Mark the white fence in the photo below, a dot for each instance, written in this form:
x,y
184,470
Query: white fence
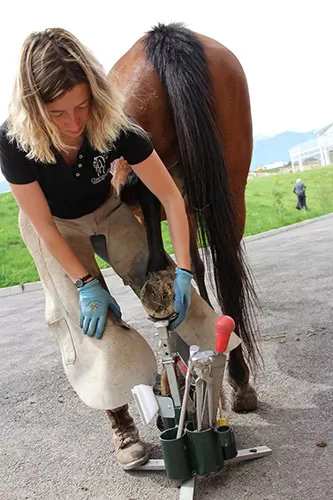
x,y
318,151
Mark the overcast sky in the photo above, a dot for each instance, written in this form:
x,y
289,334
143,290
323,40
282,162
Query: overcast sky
x,y
285,47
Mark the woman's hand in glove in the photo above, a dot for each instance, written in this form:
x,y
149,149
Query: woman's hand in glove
x,y
182,288
94,303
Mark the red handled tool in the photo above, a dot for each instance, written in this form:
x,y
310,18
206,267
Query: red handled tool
x,y
224,327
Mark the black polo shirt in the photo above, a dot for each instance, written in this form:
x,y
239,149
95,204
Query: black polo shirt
x,y
72,192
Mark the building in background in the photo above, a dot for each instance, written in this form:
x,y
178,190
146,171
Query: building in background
x,y
315,153
274,164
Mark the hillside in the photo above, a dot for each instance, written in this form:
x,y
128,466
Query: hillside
x,y
270,204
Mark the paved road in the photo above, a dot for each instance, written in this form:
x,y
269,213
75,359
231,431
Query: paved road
x,y
53,446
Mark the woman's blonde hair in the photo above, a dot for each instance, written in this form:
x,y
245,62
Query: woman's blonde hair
x,y
52,63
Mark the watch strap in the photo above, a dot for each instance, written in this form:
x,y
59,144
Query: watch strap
x,y
81,281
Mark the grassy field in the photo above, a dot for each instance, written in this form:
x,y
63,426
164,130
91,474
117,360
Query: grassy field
x,y
270,204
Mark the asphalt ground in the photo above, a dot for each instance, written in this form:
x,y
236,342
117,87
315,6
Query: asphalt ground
x,y
52,446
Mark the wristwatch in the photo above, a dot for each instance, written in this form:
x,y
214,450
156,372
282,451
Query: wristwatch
x,y
81,281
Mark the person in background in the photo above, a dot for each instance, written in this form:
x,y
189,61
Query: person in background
x,y
65,128
299,190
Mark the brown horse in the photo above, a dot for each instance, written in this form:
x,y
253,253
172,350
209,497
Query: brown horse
x,y
190,94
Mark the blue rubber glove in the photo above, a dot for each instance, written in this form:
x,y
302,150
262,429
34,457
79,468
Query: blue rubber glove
x,y
94,302
182,288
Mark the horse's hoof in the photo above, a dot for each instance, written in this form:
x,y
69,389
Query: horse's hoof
x,y
157,295
244,399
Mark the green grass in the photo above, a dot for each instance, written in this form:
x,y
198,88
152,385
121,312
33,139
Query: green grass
x,y
16,264
270,204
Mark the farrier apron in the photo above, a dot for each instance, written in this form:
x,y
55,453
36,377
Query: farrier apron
x,y
103,372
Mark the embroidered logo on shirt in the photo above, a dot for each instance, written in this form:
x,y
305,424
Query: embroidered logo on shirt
x,y
99,165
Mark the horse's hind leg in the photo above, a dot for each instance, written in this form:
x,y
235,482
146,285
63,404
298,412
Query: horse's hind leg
x,y
151,208
243,395
157,295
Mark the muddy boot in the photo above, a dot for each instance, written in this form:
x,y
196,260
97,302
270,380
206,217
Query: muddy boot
x,y
130,452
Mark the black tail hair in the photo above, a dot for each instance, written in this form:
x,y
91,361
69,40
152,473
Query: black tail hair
x,y
179,59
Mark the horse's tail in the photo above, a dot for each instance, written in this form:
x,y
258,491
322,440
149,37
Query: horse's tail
x,y
179,59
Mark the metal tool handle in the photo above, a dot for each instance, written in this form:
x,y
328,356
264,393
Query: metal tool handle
x,y
193,350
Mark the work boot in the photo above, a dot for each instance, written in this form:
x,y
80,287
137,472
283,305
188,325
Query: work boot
x,y
129,450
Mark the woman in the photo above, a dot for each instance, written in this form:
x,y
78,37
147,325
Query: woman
x,y
64,130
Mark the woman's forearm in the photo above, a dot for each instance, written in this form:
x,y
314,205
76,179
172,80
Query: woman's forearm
x,y
62,253
32,202
179,231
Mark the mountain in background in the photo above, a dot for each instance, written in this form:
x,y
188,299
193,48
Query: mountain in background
x,y
276,148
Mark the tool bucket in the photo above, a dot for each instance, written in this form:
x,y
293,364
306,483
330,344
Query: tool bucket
x,y
226,438
175,455
204,450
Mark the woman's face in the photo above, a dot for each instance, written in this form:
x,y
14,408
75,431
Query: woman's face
x,y
71,111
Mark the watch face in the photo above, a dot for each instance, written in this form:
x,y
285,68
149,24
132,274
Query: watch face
x,y
79,283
